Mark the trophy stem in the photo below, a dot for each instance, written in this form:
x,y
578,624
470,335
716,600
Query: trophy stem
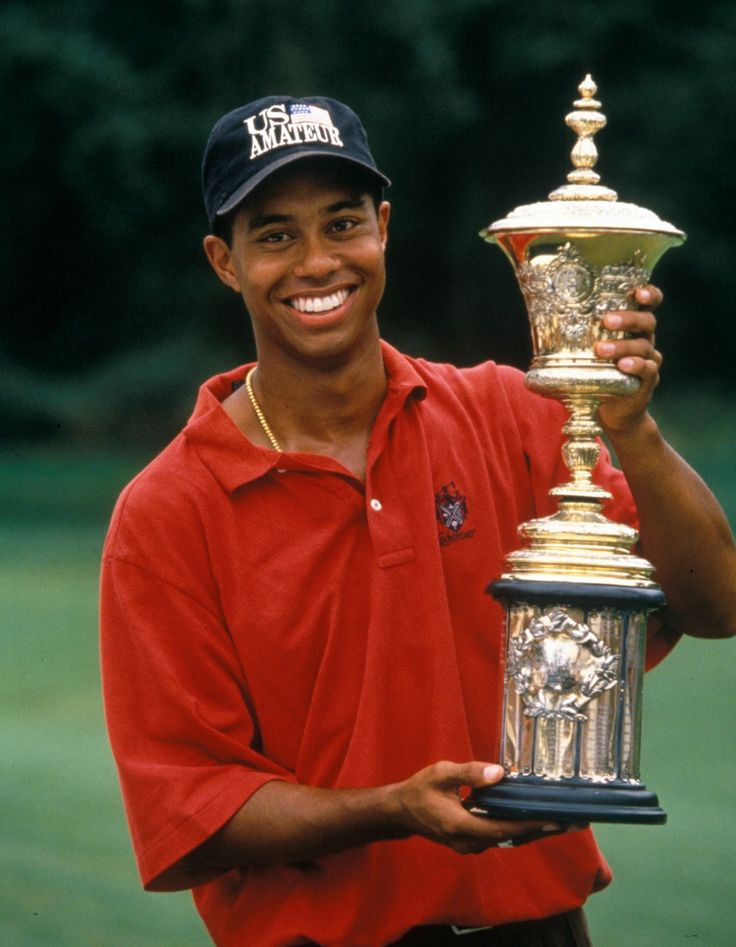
x,y
581,451
579,543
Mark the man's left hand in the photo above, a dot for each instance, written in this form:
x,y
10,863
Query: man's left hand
x,y
634,355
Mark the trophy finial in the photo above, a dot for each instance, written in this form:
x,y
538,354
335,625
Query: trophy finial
x,y
585,121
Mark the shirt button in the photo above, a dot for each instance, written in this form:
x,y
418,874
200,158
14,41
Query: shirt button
x,y
376,505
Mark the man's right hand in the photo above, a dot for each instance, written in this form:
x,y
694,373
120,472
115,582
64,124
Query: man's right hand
x,y
430,804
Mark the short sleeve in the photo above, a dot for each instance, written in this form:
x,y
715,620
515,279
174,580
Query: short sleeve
x,y
182,731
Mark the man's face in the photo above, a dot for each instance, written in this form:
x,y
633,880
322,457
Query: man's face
x,y
307,256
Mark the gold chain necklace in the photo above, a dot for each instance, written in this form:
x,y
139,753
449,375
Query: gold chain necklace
x,y
259,413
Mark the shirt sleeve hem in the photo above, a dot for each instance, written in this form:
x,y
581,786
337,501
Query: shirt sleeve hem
x,y
159,864
660,641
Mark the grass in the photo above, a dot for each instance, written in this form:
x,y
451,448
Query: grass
x,y
68,873
674,884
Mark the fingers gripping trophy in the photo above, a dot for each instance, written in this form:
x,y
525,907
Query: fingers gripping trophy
x,y
576,598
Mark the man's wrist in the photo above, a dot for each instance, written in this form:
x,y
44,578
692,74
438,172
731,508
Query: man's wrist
x,y
642,427
388,812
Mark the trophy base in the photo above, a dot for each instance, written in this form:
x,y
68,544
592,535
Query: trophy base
x,y
581,802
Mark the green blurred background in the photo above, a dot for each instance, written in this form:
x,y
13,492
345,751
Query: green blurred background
x,y
111,320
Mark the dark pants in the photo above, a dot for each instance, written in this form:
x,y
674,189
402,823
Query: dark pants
x,y
562,930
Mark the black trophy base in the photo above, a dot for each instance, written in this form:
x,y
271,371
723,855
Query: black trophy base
x,y
576,803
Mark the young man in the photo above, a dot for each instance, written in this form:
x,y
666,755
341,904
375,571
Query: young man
x,y
296,639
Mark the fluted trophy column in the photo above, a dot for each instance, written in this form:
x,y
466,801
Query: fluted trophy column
x,y
576,598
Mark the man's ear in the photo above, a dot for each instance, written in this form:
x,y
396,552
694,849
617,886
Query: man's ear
x,y
384,213
219,255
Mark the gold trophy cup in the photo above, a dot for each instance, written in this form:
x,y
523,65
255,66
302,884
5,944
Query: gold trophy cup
x,y
576,598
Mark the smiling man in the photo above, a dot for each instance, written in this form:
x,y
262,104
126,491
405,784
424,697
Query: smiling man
x,y
306,253
295,636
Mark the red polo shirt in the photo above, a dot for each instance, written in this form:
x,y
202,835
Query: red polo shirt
x,y
267,615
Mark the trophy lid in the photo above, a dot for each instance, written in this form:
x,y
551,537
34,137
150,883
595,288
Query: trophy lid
x,y
583,203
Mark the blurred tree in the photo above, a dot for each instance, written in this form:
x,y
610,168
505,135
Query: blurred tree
x,y
107,107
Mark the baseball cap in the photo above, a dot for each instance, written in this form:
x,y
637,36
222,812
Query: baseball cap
x,y
248,144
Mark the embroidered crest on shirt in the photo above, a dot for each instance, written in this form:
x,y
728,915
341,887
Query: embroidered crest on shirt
x,y
452,511
451,506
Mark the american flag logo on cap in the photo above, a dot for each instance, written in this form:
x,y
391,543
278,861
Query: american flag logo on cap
x,y
309,113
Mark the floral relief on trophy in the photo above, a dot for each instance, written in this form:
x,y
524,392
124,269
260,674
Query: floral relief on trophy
x,y
567,297
559,665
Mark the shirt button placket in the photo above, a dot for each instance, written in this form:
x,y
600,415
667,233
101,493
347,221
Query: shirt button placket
x,y
389,532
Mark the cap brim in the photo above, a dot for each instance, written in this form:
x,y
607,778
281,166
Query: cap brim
x,y
252,183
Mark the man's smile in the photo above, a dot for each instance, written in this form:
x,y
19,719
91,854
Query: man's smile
x,y
319,303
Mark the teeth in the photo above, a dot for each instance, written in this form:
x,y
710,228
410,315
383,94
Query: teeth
x,y
319,303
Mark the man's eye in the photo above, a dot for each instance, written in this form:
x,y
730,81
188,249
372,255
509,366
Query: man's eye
x,y
343,224
278,236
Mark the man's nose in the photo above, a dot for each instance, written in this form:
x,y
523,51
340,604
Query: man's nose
x,y
317,259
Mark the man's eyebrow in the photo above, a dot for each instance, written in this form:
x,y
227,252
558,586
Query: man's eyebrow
x,y
353,203
265,220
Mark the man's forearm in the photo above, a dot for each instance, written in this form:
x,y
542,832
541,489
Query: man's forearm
x,y
286,823
684,533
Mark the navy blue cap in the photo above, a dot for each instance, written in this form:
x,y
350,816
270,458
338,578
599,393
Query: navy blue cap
x,y
251,142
